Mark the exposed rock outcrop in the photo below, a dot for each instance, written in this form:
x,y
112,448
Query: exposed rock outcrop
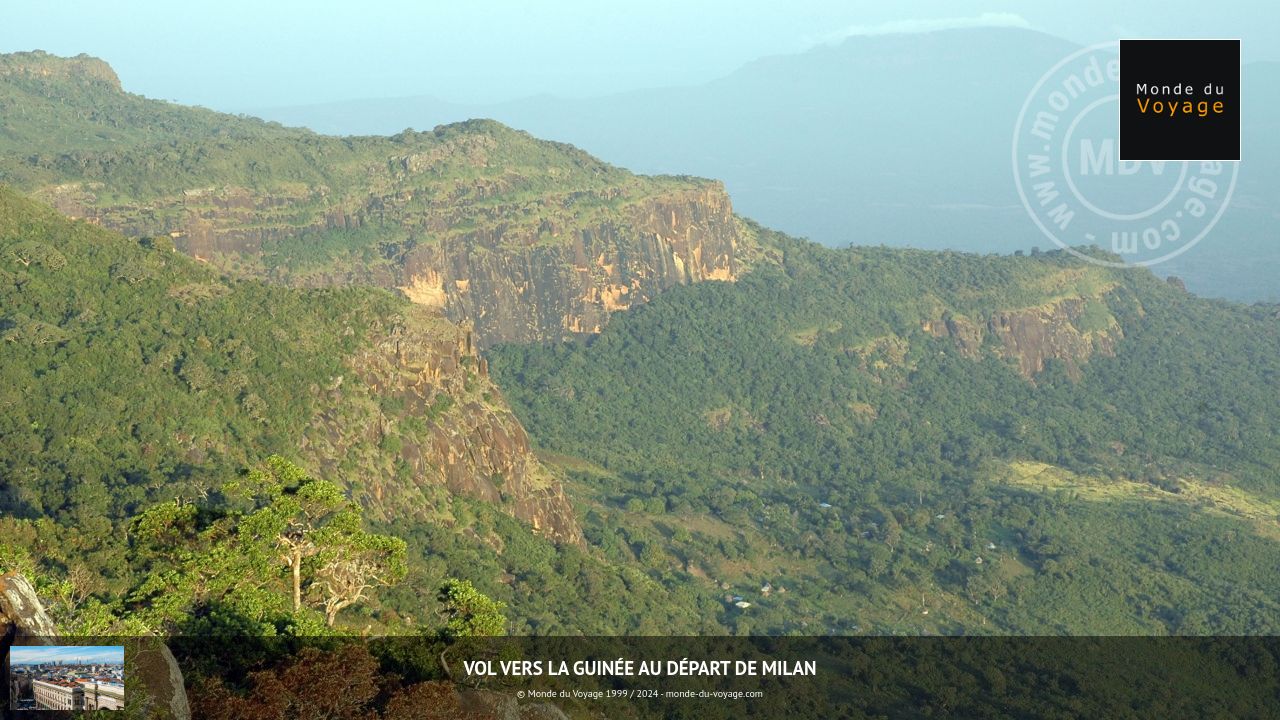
x,y
22,617
43,66
438,422
517,282
1058,330
515,287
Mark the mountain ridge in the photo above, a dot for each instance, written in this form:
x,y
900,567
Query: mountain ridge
x,y
526,239
899,139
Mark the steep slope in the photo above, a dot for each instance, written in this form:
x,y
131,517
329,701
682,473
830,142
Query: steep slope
x,y
528,240
130,373
911,441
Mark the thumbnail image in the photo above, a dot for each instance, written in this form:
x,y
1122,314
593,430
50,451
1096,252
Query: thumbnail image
x,y
66,677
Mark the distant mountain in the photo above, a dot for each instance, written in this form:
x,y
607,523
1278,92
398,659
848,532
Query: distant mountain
x,y
896,139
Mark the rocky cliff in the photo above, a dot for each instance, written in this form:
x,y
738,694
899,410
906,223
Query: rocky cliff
x,y
564,277
420,406
521,268
528,240
43,67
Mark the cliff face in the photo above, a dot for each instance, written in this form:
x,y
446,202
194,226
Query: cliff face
x,y
517,287
528,240
528,270
1069,330
41,66
419,404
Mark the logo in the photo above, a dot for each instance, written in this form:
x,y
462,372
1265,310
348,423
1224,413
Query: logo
x,y
1180,99
1071,180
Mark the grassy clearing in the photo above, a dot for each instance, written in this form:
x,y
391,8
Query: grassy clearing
x,y
1261,512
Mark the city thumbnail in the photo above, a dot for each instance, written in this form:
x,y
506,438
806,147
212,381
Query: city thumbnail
x,y
66,677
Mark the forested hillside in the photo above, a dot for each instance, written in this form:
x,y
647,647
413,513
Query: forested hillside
x,y
841,441
136,382
867,440
931,442
526,239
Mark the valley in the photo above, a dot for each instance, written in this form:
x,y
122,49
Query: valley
x,y
607,401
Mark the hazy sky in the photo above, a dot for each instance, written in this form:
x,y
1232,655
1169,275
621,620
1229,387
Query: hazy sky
x,y
241,54
66,653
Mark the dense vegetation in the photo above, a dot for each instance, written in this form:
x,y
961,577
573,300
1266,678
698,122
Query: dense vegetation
x,y
842,441
799,429
133,378
70,134
795,440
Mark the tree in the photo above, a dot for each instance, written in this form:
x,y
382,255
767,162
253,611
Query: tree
x,y
354,562
225,561
467,613
303,506
312,521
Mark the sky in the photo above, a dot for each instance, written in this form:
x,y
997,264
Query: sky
x,y
237,55
31,654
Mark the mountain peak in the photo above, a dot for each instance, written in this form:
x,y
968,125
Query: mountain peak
x,y
40,65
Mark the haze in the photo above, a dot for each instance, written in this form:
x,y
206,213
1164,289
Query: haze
x,y
242,54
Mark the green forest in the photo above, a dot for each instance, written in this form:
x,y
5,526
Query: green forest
x,y
863,440
137,381
799,430
253,386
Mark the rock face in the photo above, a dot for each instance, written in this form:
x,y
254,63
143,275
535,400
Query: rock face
x,y
1069,330
431,416
22,617
155,671
152,669
515,288
39,65
515,281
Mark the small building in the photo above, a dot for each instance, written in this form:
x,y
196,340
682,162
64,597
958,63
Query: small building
x,y
742,604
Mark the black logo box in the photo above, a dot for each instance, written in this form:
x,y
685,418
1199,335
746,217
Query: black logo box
x,y
1185,67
